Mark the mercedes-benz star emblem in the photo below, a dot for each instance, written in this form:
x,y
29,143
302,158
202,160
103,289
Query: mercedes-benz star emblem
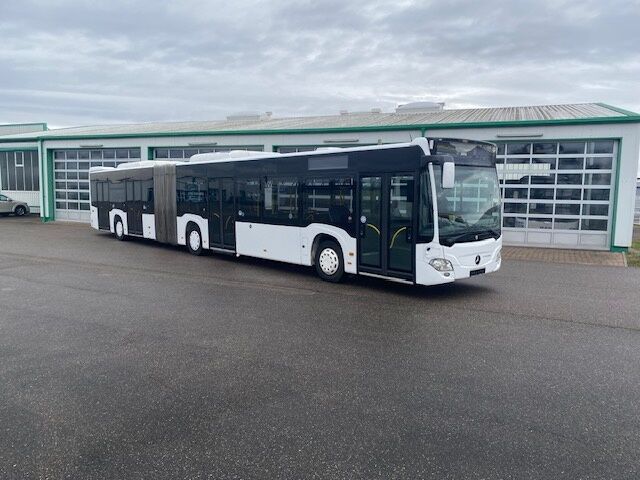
x,y
477,259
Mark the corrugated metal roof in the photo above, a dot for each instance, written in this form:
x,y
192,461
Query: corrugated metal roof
x,y
369,120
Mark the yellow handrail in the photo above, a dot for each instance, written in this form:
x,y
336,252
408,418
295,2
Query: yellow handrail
x,y
374,227
393,239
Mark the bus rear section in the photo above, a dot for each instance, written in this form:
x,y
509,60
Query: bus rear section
x,y
135,200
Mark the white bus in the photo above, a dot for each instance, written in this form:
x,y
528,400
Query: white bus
x,y
425,212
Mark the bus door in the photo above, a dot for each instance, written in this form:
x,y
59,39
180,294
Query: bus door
x,y
102,204
134,206
386,237
222,233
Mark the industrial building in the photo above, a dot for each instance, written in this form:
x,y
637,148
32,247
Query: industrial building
x,y
568,172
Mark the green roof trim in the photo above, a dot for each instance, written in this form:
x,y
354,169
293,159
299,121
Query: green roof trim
x,y
20,140
616,192
300,131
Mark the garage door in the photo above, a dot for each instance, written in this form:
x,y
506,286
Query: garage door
x,y
71,172
557,194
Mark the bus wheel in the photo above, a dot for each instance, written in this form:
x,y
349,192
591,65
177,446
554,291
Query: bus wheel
x,y
329,261
194,240
119,229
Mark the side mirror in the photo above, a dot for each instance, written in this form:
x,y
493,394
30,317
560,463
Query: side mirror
x,y
448,174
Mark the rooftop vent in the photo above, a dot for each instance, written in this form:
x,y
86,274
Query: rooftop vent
x,y
249,116
364,112
420,107
224,156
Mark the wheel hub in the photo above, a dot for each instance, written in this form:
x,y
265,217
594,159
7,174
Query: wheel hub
x,y
329,261
194,240
119,229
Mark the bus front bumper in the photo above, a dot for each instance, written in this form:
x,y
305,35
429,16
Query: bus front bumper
x,y
440,264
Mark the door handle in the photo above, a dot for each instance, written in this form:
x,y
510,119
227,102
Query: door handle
x,y
409,234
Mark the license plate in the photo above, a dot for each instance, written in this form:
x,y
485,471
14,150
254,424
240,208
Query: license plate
x,y
476,272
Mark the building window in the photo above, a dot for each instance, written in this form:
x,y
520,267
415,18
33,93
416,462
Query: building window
x,y
181,153
19,170
74,165
545,184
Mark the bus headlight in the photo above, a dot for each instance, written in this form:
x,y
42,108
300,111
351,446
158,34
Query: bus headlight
x,y
441,264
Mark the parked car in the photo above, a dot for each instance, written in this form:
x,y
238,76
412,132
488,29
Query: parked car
x,y
8,205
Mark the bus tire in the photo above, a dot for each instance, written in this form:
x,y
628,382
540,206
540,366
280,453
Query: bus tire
x,y
118,228
194,240
329,261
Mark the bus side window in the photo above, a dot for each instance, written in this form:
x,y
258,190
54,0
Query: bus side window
x,y
281,200
191,194
137,190
130,190
105,191
147,192
425,227
330,201
248,199
94,185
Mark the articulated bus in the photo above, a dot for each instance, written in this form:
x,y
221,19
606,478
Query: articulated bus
x,y
425,212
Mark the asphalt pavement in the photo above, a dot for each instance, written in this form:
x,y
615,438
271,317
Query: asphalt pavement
x,y
137,360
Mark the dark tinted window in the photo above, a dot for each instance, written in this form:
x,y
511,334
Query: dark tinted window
x,y
542,193
604,146
567,209
571,147
116,192
281,200
518,148
248,199
570,163
426,208
515,208
545,148
570,179
541,208
591,224
590,209
568,194
599,163
516,193
191,195
596,194
329,200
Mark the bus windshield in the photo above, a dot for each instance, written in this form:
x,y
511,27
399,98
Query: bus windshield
x,y
469,211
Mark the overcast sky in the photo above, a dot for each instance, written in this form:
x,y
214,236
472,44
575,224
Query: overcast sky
x,y
88,62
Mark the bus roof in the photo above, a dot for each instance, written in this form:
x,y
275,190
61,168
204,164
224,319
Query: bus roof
x,y
243,155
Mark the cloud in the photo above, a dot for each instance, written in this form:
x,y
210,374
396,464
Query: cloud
x,y
84,62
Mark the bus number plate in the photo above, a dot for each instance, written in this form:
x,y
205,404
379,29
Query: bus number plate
x,y
476,272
